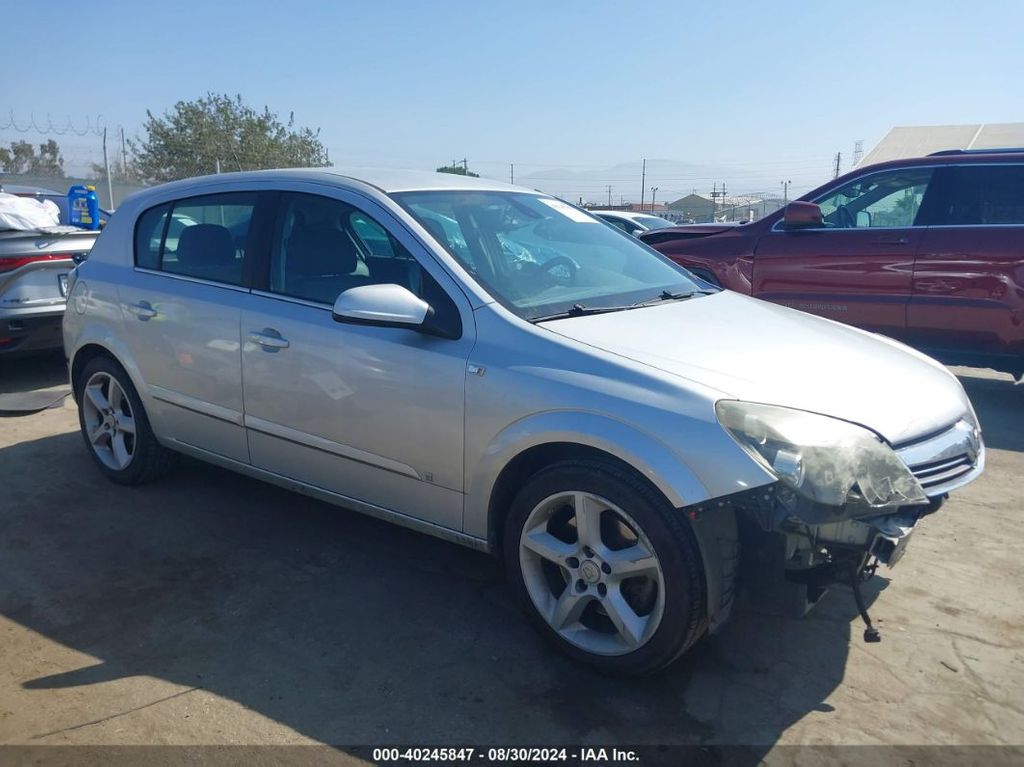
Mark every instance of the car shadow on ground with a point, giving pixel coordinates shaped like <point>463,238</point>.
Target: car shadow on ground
<point>30,383</point>
<point>350,630</point>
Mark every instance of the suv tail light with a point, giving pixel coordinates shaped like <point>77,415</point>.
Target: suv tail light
<point>10,263</point>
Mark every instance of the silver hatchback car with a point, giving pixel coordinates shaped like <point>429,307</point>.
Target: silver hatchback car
<point>496,367</point>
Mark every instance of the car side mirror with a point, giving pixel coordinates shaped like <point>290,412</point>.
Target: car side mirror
<point>801,215</point>
<point>393,306</point>
<point>389,306</point>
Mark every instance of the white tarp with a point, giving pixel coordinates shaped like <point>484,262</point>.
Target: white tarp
<point>27,213</point>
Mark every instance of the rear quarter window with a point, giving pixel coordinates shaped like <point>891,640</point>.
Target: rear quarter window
<point>149,233</point>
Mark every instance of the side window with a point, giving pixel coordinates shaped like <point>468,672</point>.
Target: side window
<point>983,194</point>
<point>618,223</point>
<point>149,235</point>
<point>202,237</point>
<point>322,247</point>
<point>889,199</point>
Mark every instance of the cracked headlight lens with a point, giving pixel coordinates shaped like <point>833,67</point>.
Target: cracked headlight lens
<point>823,459</point>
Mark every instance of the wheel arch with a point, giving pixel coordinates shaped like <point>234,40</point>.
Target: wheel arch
<point>91,348</point>
<point>531,443</point>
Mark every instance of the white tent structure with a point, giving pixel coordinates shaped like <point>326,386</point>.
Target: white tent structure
<point>920,140</point>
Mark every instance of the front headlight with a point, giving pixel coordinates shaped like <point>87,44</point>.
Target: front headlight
<point>826,460</point>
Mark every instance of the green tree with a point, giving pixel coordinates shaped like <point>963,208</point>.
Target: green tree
<point>458,170</point>
<point>21,158</point>
<point>197,136</point>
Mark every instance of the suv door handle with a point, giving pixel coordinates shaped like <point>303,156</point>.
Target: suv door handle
<point>890,241</point>
<point>269,339</point>
<point>143,310</point>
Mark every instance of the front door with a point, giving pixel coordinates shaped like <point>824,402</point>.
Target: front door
<point>858,267</point>
<point>374,414</point>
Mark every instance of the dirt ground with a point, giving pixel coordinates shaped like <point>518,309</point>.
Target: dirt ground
<point>213,609</point>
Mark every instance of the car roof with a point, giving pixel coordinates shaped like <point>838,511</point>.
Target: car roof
<point>387,180</point>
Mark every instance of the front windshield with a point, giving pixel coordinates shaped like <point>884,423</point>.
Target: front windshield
<point>653,222</point>
<point>540,256</point>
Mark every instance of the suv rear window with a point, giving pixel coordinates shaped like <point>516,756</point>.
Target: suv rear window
<point>983,194</point>
<point>203,237</point>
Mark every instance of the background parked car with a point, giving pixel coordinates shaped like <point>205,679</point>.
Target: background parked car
<point>632,223</point>
<point>34,268</point>
<point>927,250</point>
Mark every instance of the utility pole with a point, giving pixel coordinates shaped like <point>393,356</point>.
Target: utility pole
<point>609,195</point>
<point>785,191</point>
<point>643,183</point>
<point>106,168</point>
<point>511,173</point>
<point>858,152</point>
<point>835,169</point>
<point>124,157</point>
<point>654,191</point>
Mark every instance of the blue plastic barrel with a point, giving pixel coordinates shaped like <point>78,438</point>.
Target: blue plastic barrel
<point>83,206</point>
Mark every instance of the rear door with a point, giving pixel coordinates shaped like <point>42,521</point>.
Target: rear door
<point>182,310</point>
<point>858,267</point>
<point>968,295</point>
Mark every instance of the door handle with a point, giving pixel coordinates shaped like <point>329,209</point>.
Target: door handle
<point>143,310</point>
<point>890,241</point>
<point>269,339</point>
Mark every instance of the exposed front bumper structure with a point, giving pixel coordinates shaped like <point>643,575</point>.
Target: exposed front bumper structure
<point>791,550</point>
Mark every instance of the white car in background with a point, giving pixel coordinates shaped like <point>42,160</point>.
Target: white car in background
<point>633,223</point>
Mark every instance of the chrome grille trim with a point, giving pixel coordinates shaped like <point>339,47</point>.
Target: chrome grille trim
<point>945,461</point>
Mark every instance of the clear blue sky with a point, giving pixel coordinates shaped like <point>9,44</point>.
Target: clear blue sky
<point>772,88</point>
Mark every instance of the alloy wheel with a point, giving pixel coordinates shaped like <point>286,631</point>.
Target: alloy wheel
<point>109,422</point>
<point>592,573</point>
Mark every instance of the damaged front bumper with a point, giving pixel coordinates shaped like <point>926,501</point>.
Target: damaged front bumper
<point>789,549</point>
<point>788,554</point>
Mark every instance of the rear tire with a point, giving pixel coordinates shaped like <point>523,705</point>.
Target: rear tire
<point>115,427</point>
<point>609,572</point>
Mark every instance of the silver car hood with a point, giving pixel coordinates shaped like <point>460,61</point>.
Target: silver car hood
<point>761,352</point>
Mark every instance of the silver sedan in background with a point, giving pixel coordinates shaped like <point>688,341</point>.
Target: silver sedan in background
<point>496,367</point>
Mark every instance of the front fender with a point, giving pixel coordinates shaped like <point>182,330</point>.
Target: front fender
<point>655,460</point>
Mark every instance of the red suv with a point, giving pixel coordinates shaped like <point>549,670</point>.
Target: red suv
<point>927,250</point>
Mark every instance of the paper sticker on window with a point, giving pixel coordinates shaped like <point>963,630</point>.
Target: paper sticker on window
<point>568,211</point>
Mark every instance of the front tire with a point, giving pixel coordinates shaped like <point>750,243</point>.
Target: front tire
<point>115,427</point>
<point>607,569</point>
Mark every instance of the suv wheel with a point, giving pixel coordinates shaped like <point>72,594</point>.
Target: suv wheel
<point>115,427</point>
<point>609,571</point>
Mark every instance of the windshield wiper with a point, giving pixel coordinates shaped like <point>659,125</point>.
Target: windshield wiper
<point>579,310</point>
<point>668,295</point>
